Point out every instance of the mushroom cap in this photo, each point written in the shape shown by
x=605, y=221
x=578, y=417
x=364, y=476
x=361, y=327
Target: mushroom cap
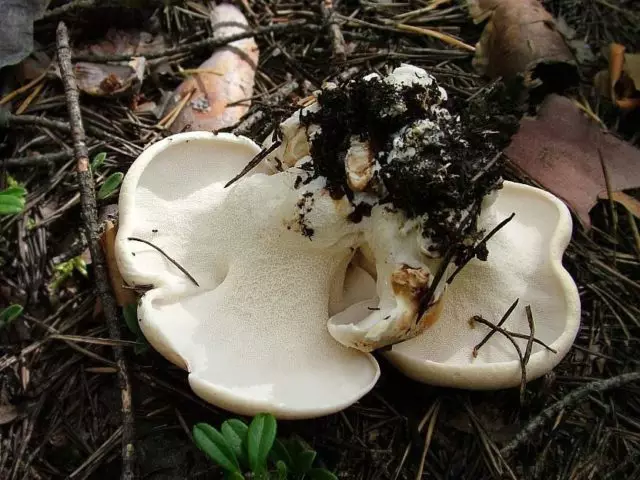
x=253, y=333
x=525, y=263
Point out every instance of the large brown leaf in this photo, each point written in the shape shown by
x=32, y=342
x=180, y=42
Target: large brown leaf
x=521, y=37
x=559, y=149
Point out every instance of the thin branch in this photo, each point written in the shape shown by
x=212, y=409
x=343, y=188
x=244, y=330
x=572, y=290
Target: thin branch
x=570, y=400
x=523, y=367
x=89, y=216
x=254, y=162
x=32, y=160
x=177, y=265
x=209, y=42
x=279, y=96
x=337, y=39
x=532, y=332
x=486, y=167
x=494, y=330
x=480, y=244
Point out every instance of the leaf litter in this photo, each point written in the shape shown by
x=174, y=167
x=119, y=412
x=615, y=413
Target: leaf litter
x=75, y=428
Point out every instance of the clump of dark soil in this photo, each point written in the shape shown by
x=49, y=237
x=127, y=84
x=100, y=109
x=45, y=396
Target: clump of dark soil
x=432, y=164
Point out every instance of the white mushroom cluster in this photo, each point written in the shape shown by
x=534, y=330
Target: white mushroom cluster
x=330, y=249
x=398, y=248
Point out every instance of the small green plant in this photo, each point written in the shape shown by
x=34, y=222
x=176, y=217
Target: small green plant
x=112, y=182
x=12, y=200
x=63, y=271
x=253, y=451
x=97, y=161
x=9, y=314
x=110, y=185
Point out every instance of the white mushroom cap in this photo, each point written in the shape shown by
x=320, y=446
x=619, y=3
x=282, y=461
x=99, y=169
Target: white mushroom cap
x=253, y=333
x=525, y=262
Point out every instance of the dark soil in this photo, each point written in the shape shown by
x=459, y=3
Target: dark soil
x=59, y=399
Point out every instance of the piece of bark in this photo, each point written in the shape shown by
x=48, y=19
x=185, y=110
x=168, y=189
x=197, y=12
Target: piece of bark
x=225, y=78
x=559, y=149
x=521, y=37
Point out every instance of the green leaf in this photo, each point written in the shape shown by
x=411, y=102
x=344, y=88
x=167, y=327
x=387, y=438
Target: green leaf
x=130, y=313
x=279, y=453
x=10, y=204
x=110, y=185
x=260, y=438
x=9, y=314
x=211, y=442
x=304, y=461
x=98, y=160
x=15, y=191
x=234, y=432
x=233, y=476
x=321, y=474
x=80, y=265
x=281, y=467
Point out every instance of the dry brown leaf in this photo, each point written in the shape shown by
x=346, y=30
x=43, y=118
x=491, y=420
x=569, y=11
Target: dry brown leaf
x=125, y=42
x=124, y=296
x=225, y=78
x=621, y=82
x=8, y=413
x=103, y=79
x=627, y=201
x=521, y=37
x=559, y=150
x=616, y=62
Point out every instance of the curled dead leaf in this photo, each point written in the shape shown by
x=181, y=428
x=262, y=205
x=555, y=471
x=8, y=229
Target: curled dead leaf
x=8, y=413
x=621, y=82
x=223, y=84
x=125, y=42
x=559, y=149
x=103, y=79
x=521, y=37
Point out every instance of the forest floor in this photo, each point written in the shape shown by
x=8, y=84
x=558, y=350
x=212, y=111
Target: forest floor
x=60, y=402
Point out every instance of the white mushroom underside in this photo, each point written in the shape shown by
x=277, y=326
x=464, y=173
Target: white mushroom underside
x=525, y=262
x=254, y=334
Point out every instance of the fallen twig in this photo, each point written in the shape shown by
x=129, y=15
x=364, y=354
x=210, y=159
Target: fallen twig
x=253, y=163
x=163, y=253
x=548, y=414
x=532, y=332
x=523, y=366
x=45, y=159
x=209, y=42
x=494, y=330
x=337, y=39
x=279, y=96
x=89, y=216
x=479, y=245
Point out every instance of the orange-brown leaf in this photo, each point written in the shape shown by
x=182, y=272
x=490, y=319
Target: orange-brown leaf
x=616, y=62
x=124, y=296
